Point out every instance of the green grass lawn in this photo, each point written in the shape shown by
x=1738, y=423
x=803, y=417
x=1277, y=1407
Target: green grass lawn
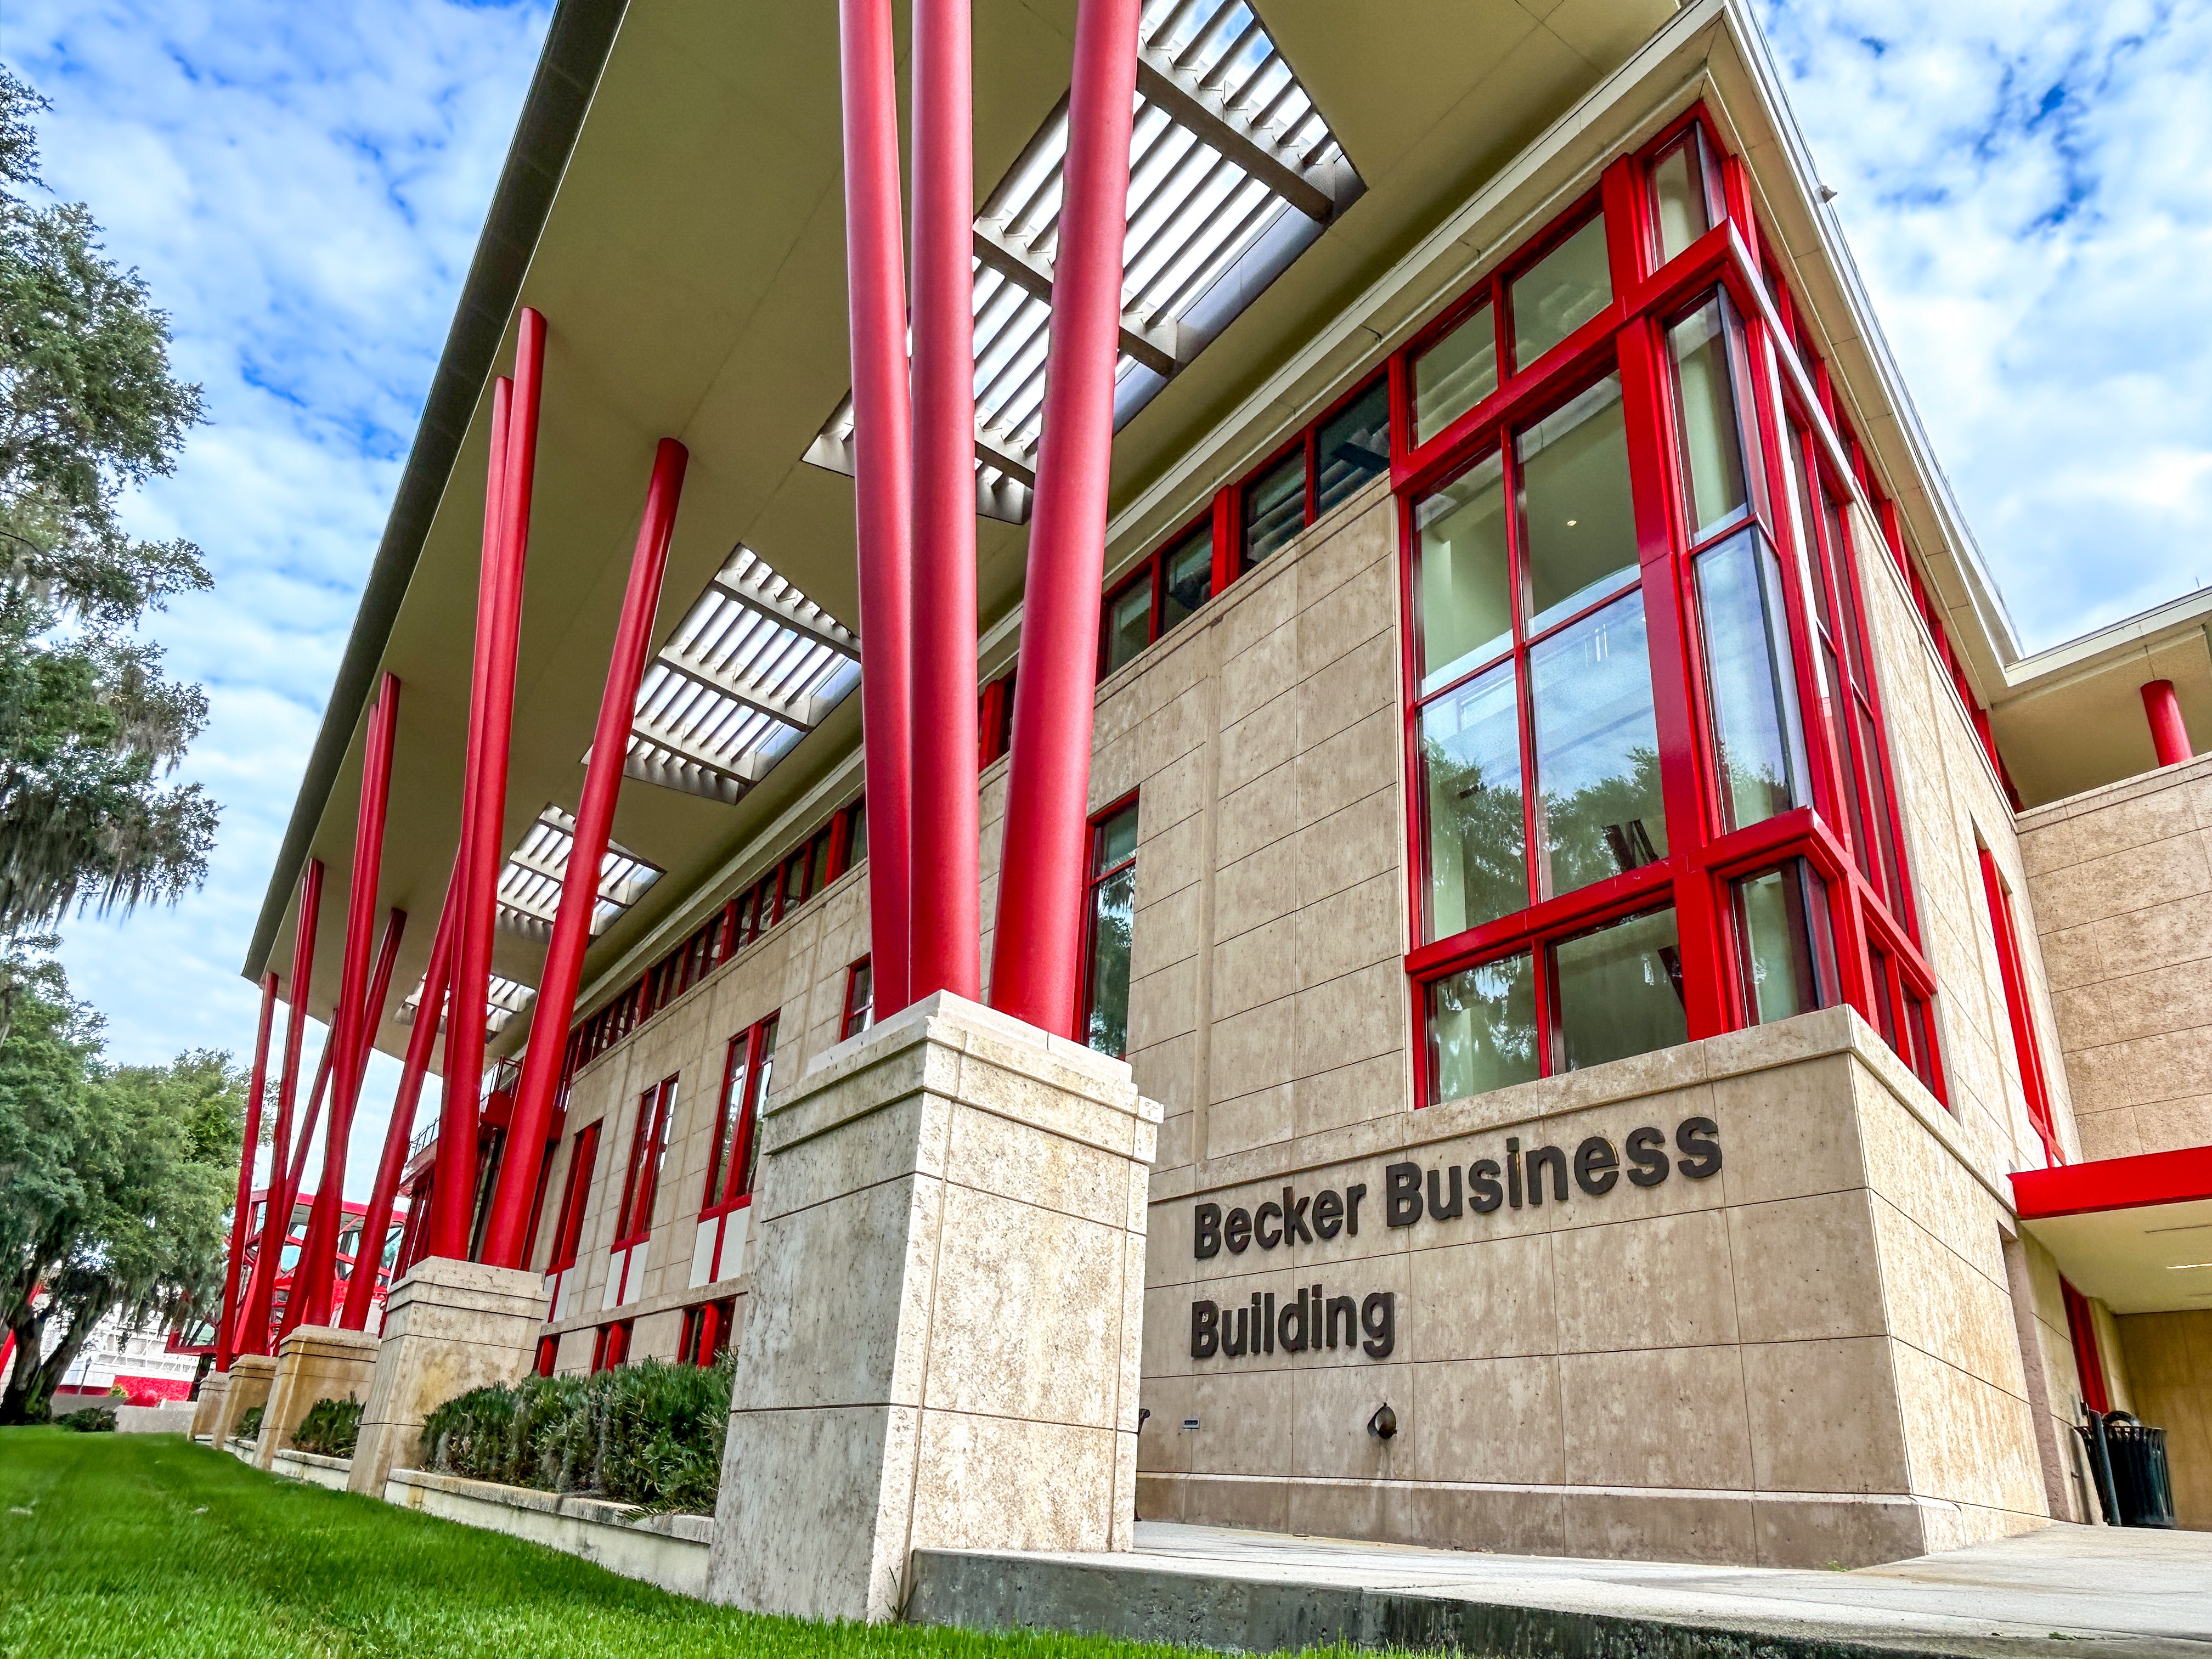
x=147, y=1545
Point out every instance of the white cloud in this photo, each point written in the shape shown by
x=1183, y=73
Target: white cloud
x=301, y=187
x=2028, y=190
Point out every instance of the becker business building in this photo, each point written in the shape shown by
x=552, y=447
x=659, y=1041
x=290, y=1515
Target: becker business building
x=1675, y=1037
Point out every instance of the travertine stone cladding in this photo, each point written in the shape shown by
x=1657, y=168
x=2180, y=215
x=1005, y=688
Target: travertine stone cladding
x=941, y=1345
x=1951, y=804
x=207, y=1408
x=1262, y=738
x=2169, y=1366
x=313, y=1362
x=1759, y=1315
x=2122, y=881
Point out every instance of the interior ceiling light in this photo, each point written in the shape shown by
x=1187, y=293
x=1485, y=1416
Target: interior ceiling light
x=1232, y=174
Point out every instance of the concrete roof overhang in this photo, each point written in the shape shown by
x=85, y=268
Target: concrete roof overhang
x=2134, y=1232
x=672, y=204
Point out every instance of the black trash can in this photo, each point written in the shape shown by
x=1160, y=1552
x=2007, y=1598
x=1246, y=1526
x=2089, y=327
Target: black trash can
x=2128, y=1459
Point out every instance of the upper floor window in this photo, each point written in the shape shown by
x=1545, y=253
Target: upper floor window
x=575, y=1194
x=648, y=1147
x=1110, y=921
x=746, y=1072
x=860, y=999
x=1645, y=736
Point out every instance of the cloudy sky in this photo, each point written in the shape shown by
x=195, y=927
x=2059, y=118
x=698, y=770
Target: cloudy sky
x=2027, y=186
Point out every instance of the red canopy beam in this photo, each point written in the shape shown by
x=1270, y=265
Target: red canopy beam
x=253, y=1330
x=318, y=1254
x=507, y=1235
x=361, y=1290
x=883, y=493
x=226, y=1330
x=946, y=914
x=1037, y=952
x=492, y=722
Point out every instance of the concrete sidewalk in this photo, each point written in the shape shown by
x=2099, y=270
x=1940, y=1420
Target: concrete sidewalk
x=2066, y=1589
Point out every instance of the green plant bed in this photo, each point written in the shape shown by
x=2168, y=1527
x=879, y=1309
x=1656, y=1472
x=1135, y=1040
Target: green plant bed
x=153, y=1548
x=648, y=1433
x=331, y=1428
x=93, y=1419
x=249, y=1424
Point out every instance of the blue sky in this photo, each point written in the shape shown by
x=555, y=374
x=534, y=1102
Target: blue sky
x=2027, y=187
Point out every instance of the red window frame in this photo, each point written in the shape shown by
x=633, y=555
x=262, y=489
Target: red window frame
x=2027, y=1049
x=610, y=1345
x=575, y=1193
x=1086, y=996
x=648, y=1148
x=860, y=1000
x=1880, y=969
x=549, y=1353
x=706, y=1335
x=747, y=1070
x=1222, y=518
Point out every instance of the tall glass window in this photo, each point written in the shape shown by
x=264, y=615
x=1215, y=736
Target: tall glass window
x=1597, y=749
x=1619, y=990
x=1482, y=1028
x=1186, y=577
x=1713, y=476
x=1761, y=748
x=1782, y=927
x=1579, y=521
x=1470, y=741
x=1113, y=913
x=1681, y=194
x=1466, y=584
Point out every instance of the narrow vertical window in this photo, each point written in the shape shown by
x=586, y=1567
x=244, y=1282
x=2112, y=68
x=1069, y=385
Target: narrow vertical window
x=2027, y=1048
x=728, y=1114
x=1129, y=622
x=1681, y=200
x=648, y=1147
x=575, y=1193
x=1466, y=579
x=1597, y=749
x=1470, y=744
x=1186, y=576
x=1703, y=347
x=1578, y=519
x=1751, y=690
x=1275, y=507
x=1112, y=917
x=760, y=1074
x=860, y=1000
x=1352, y=447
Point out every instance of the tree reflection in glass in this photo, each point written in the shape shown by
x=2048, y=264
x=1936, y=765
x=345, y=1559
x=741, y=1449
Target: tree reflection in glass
x=1470, y=744
x=1482, y=1026
x=1597, y=748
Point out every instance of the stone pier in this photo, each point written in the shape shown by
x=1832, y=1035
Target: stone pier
x=251, y=1376
x=313, y=1362
x=941, y=1345
x=448, y=1327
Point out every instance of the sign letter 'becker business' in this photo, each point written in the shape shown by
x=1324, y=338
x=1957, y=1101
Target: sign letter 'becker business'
x=1312, y=1320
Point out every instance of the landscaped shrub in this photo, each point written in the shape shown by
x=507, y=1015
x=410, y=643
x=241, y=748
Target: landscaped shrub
x=93, y=1419
x=331, y=1428
x=649, y=1433
x=249, y=1424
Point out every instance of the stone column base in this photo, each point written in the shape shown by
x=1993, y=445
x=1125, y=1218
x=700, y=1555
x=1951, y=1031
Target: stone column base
x=448, y=1327
x=207, y=1410
x=313, y=1362
x=940, y=1346
x=251, y=1375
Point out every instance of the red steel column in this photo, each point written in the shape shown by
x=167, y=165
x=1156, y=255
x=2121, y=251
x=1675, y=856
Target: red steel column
x=2167, y=734
x=505, y=1235
x=318, y=1253
x=454, y=1196
x=226, y=1330
x=1036, y=956
x=875, y=272
x=360, y=1293
x=946, y=919
x=306, y=1127
x=277, y=1216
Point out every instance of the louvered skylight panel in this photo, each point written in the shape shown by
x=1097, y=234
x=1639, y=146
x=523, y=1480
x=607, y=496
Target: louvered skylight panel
x=753, y=667
x=504, y=999
x=529, y=882
x=1212, y=82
